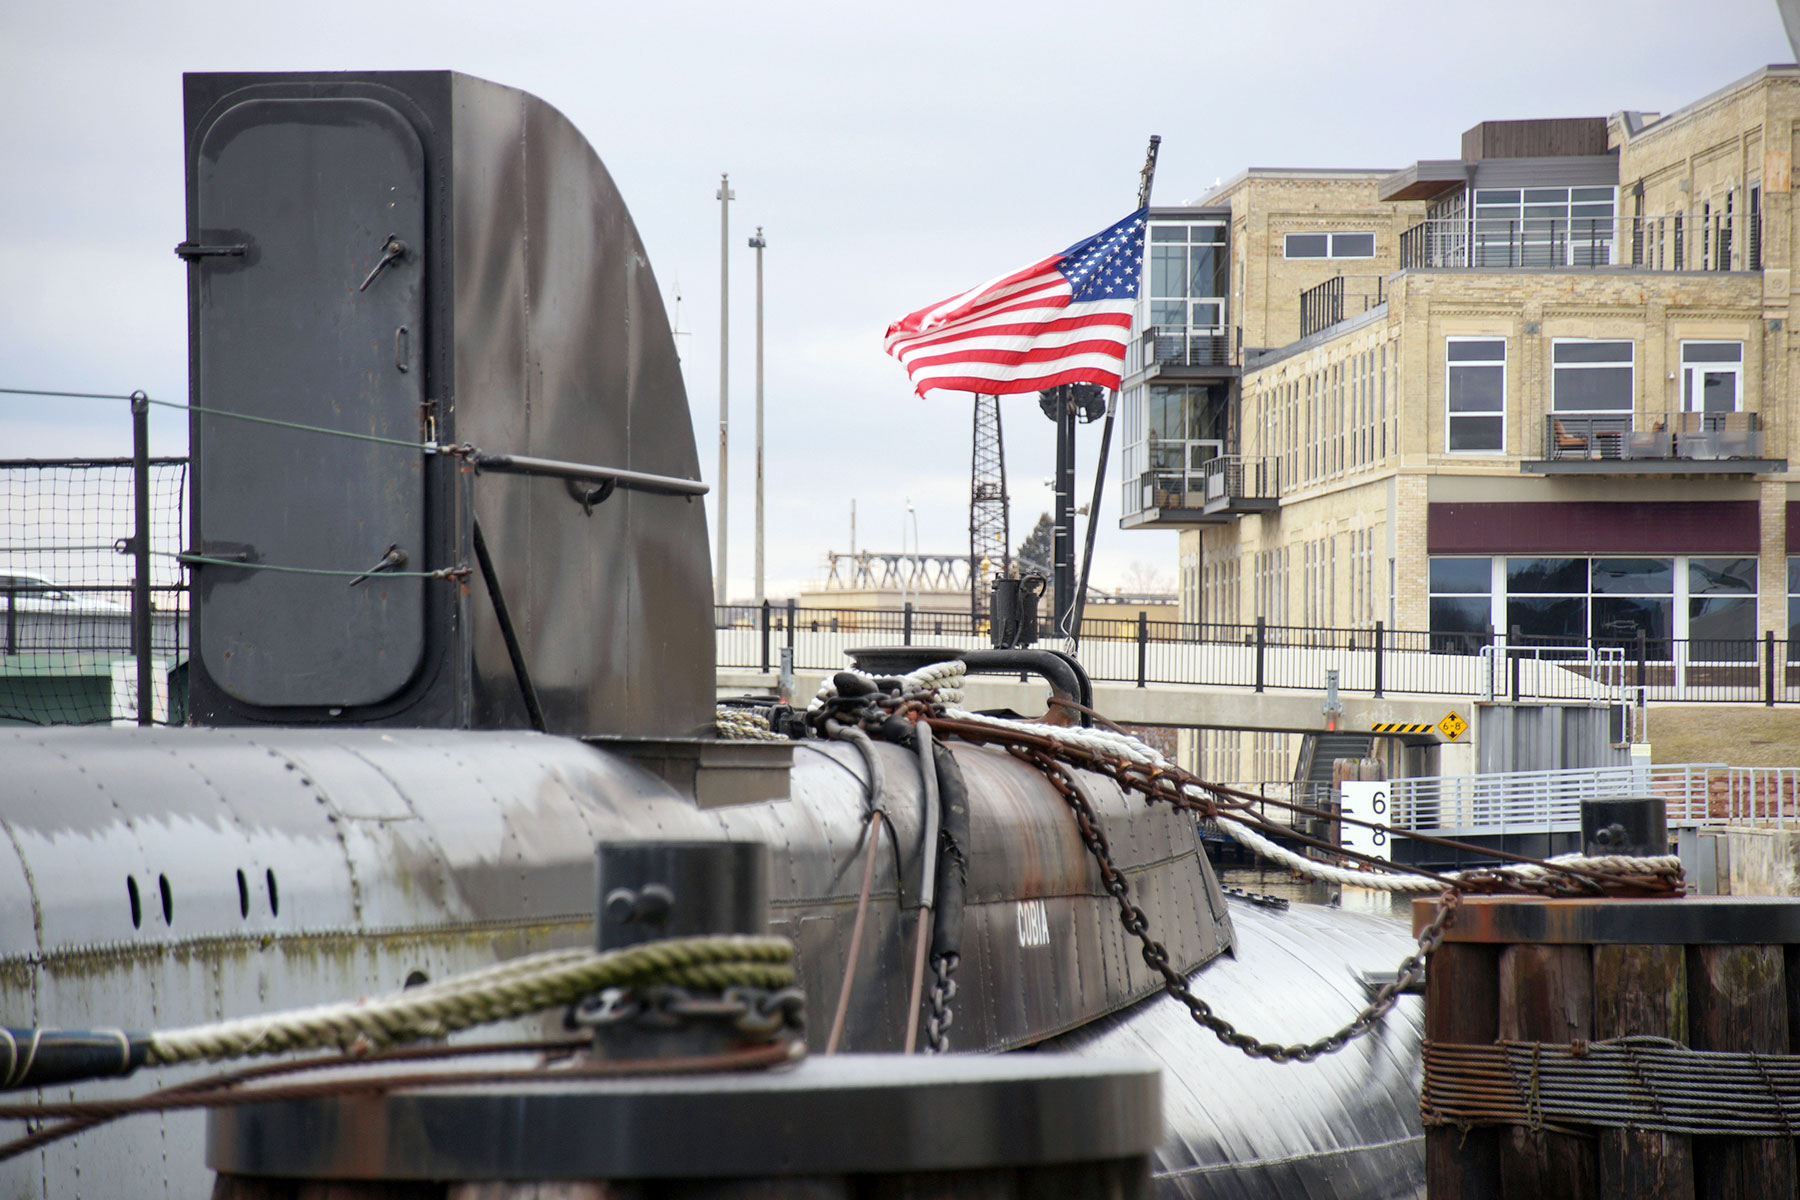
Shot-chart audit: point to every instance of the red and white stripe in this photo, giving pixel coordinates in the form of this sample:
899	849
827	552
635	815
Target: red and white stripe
1018	333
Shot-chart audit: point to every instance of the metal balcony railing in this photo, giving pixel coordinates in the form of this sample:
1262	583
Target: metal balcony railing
1237	477
1651	437
1340	296
1179	346
1699	242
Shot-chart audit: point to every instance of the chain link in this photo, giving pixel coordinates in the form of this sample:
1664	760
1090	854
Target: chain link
943	991
1411	971
753	1012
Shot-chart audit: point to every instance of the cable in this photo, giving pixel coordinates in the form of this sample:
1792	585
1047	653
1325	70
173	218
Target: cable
928	796
871	830
423	447
457	573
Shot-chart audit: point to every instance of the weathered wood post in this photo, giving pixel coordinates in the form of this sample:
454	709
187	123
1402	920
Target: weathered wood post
1552	1103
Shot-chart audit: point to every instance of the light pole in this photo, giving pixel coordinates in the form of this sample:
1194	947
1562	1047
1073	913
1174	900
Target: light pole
757	244
725	197
911	575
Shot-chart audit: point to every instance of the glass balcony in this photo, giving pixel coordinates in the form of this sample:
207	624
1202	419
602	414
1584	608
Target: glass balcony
1654	443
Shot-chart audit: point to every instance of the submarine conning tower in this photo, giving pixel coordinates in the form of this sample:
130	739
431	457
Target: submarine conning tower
438	271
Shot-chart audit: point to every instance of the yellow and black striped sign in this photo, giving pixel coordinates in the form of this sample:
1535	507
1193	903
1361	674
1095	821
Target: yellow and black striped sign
1401	727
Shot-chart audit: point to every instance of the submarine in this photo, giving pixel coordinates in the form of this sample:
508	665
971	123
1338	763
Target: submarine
451	629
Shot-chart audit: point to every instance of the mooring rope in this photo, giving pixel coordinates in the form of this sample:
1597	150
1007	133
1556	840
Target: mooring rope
740	724
512	989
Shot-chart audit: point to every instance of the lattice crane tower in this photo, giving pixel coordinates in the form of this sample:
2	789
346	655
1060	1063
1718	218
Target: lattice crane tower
990	532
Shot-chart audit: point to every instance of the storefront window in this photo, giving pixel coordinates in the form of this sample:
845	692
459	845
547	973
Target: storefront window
1706	604
1722	609
1461	604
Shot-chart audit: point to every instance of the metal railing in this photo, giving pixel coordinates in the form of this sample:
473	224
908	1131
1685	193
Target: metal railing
1699	242
1646	667
1653	437
1235	477
1327	303
1514	802
1743	796
1621	672
1180	346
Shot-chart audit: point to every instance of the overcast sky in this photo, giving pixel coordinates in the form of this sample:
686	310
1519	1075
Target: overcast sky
894	154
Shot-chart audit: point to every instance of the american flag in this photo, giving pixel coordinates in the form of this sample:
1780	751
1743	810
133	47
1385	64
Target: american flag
1064	319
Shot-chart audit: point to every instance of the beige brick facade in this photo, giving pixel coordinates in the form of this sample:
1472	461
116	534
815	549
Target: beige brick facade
1357	419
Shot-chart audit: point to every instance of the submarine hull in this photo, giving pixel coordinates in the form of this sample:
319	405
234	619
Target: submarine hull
177	876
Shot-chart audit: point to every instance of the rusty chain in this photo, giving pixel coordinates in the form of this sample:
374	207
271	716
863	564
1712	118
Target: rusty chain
1410	973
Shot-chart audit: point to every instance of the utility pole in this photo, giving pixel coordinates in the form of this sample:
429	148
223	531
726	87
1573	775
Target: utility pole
725	197
757	244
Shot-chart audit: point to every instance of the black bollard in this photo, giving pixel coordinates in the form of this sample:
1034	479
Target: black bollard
1637	826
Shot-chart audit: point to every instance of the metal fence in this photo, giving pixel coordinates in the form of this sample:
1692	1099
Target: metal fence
1325	304
1705	241
1375	660
93	604
1515	802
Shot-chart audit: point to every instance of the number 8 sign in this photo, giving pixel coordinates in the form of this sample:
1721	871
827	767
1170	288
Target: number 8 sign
1365	800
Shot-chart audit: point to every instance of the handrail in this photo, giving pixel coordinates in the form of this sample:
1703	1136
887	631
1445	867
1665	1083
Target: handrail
637	481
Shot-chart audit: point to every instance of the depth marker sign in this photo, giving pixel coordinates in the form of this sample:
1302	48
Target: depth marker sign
1366	801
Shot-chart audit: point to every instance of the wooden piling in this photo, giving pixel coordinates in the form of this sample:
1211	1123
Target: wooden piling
1546	995
1715	973
1642	989
1462	1006
1737	1000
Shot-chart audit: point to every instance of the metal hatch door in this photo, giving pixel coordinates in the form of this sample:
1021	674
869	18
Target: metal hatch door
319	322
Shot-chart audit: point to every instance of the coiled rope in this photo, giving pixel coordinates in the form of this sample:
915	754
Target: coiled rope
742	725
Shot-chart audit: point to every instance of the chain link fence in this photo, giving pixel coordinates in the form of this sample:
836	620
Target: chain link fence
70	649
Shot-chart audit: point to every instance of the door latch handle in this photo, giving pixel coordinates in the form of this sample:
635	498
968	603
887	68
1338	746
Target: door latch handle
394	558
392	251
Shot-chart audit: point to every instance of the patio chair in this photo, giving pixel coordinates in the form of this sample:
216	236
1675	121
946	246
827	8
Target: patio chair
1567	445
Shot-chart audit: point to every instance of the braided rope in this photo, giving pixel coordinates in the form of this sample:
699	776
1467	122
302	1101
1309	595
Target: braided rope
739	724
511	989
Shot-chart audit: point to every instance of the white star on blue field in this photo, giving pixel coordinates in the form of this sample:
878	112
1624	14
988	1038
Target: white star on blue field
1109	264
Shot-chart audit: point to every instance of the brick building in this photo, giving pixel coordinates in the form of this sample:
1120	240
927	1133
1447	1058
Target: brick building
1543	391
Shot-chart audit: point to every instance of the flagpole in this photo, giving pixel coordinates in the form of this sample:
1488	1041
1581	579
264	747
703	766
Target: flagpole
725	197
1146	179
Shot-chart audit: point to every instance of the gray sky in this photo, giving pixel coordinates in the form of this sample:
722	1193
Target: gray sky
894	154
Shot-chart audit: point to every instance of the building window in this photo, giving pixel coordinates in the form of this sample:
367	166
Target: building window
1793	590
1753	255
1187	278
1329	245
1475	395
1543	227
1722	609
1591	376
1605	602
1461	604
1632	596
1712	376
